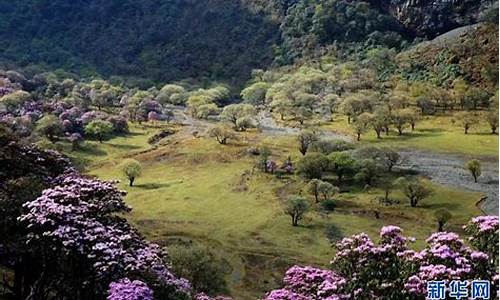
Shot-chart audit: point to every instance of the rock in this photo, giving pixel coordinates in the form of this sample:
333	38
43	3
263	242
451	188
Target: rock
430	18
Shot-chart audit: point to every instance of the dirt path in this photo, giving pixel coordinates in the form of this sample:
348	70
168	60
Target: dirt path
449	170
446	169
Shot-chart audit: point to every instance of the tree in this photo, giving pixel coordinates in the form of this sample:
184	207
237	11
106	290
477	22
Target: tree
255	94
414	189
312	165
302	114
367	171
492	118
342	164
476	97
233	112
15	100
466	120
202	267
426	105
172	94
282	107
474	167
313	188
442	217
50	127
377	123
194	103
400	119
360	125
331	102
389	157
327	190
75	139
244	123
99	129
296	208
132	169
382	119
203	111
306	138
222	134
412	117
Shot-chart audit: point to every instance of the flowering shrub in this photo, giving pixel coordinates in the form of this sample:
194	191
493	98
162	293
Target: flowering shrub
390	270
129	290
120	124
77	219
484	235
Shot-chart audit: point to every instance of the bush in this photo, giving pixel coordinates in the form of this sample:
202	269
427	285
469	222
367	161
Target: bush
328	146
328	205
201	267
333	233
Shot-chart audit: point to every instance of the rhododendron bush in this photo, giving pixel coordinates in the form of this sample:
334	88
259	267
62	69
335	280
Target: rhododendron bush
389	269
62	234
77	220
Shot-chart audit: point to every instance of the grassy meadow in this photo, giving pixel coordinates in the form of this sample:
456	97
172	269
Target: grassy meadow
432	133
193	189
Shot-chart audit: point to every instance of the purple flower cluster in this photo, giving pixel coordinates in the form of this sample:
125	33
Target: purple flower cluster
309	283
5	91
390	270
203	296
77	215
92	116
129	290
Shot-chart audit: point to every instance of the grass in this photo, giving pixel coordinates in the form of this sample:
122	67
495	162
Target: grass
436	133
193	188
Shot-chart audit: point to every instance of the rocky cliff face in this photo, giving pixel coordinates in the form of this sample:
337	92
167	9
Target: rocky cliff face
429	18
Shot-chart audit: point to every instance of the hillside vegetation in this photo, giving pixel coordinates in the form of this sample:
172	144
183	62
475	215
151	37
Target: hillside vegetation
274	150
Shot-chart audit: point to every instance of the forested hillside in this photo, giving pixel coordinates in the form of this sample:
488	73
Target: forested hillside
165	40
160	40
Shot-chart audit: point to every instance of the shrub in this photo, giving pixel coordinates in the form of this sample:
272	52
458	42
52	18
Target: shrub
329	205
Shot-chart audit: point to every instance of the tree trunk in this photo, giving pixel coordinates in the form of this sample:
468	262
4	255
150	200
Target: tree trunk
131	181
412	126
316	197
400	131
359	137
475	177
440	226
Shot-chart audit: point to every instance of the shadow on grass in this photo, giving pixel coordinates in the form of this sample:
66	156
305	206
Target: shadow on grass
406	136
90	149
123	146
434	206
152	186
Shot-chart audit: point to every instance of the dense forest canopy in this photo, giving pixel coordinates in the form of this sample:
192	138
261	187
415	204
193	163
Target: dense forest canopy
159	40
165	40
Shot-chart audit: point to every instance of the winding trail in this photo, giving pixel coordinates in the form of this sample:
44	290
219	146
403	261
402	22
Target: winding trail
445	169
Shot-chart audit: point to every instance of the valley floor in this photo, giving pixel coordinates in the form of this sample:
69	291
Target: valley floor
194	189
